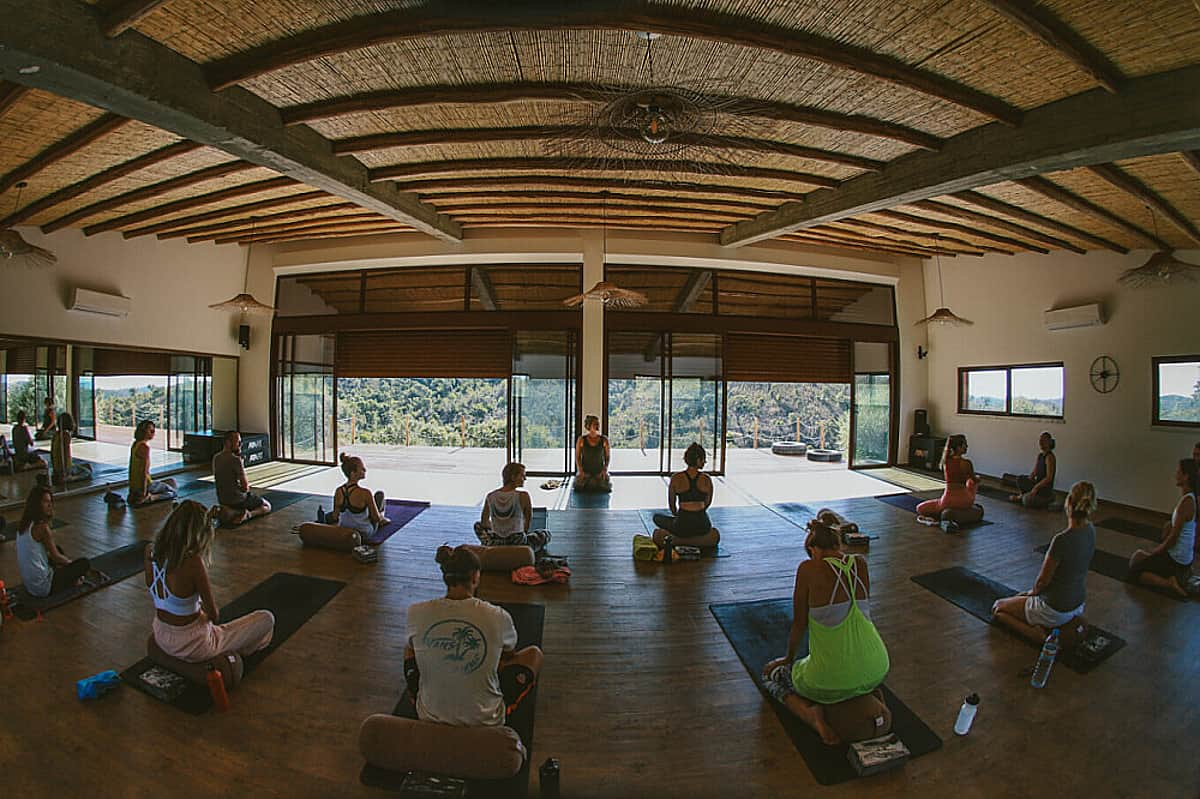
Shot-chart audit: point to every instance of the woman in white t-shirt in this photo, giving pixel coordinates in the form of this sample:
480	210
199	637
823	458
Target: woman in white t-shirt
461	662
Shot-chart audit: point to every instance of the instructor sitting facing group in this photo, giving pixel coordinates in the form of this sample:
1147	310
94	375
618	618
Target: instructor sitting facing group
238	503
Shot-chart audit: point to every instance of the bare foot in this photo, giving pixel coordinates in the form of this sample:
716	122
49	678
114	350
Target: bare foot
1179	589
1014	497
828	736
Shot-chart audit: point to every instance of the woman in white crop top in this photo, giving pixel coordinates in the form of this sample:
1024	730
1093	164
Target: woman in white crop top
1169	564
185	612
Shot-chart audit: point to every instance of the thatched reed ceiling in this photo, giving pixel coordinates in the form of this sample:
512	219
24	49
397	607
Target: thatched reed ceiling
377	116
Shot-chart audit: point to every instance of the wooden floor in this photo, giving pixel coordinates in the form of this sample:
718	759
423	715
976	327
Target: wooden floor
641	693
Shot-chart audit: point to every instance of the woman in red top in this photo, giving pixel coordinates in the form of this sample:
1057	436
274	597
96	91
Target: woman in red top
961	482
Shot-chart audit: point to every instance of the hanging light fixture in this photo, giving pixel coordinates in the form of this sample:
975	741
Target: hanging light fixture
245	303
943	315
612	295
1161	268
13	244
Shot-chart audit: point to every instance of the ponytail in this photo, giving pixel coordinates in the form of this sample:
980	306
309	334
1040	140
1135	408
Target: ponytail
1081	501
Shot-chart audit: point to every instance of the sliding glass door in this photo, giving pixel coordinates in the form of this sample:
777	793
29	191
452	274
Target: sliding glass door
871	405
542	406
306	412
85	396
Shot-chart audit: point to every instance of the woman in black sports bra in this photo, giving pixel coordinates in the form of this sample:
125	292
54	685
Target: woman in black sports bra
591	458
354	506
689	494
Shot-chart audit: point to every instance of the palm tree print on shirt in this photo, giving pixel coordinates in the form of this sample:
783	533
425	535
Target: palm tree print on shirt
460	642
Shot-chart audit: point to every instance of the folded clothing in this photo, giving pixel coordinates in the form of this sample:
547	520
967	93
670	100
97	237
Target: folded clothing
529	575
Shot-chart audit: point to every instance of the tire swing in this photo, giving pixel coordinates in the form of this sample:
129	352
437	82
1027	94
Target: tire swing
789	448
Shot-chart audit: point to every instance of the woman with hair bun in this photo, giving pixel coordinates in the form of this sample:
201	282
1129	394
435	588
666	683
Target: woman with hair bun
1037	488
1059	592
961	483
689	494
846	657
354	506
1169	564
461	663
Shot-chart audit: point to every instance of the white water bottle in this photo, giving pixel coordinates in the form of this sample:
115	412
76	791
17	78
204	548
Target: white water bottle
966	715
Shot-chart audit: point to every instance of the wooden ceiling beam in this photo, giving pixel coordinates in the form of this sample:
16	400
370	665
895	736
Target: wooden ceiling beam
613	221
483	16
448	185
1150	115
1038	21
907	236
413	138
1192	159
598	225
360	218
940	224
1052	190
331	225
505	93
333	234
10	93
220	213
977	218
696	283
1001	207
68	145
124	14
599	208
136	77
481	282
148	192
1127	183
466	165
230	225
98	180
459	199
187	203
831	238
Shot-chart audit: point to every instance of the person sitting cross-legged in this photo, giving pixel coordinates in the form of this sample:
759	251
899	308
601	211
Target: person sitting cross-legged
592	455
1169	564
238	503
689	493
507	514
354	506
1037	489
461	663
142	488
64	469
45	568
24	455
1060	589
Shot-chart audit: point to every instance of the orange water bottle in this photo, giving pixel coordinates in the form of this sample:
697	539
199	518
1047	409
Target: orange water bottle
216	687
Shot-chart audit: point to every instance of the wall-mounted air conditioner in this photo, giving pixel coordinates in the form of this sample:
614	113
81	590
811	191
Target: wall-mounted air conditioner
1079	316
99	303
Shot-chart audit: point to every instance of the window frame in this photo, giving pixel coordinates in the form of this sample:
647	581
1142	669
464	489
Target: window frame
1155	361
1008	399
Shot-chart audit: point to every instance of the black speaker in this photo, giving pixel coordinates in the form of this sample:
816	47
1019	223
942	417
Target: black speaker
921	422
244	336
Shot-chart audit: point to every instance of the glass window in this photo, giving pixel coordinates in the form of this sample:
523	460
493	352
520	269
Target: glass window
1037	391
1031	390
1177	391
984	391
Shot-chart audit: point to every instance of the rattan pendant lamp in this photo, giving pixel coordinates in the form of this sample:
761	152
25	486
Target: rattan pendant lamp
245	303
943	315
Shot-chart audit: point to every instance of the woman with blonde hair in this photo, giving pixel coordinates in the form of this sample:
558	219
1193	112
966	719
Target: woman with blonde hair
185	613
354	506
961	482
1060	589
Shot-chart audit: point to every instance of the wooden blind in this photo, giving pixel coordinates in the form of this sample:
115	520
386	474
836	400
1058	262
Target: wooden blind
130	362
21	360
424	353
762	358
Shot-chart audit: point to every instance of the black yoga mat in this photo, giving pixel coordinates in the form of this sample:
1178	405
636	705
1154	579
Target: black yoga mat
758	632
529	620
589	500
279	500
119	564
401	512
293	598
996	492
1150	532
1117	567
975	594
13	526
103	472
908	502
797	513
705	552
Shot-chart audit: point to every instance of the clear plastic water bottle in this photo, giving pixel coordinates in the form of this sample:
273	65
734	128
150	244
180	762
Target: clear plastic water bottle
966	715
1045	661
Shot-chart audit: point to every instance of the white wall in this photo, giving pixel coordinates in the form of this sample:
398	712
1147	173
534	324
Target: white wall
1105	438
171	284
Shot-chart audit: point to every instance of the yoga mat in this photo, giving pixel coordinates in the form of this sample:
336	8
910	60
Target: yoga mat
279	500
589	500
1004	493
401	512
529	620
975	594
797	513
758	632
540	519
293	598
11	526
103	472
119	564
1150	532
906	479
906	502
1117	567
705	552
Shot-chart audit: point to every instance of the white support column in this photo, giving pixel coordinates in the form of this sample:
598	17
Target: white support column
591	367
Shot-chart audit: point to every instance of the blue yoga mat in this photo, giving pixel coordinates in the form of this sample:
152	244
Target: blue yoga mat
401	512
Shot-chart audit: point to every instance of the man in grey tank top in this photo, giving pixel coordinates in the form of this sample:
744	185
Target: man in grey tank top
238	503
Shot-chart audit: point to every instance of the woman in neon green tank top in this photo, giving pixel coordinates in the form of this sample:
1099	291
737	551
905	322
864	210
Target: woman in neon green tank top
846	657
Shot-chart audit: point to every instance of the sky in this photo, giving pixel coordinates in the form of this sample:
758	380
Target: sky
1177	378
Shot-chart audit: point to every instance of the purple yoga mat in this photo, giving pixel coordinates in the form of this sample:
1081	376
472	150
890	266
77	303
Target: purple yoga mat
401	512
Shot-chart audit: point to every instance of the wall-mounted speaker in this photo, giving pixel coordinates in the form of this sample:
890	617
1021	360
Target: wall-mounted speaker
244	336
921	422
